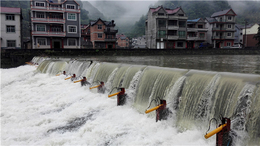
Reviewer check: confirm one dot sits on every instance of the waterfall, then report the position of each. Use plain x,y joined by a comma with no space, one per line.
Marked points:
194,96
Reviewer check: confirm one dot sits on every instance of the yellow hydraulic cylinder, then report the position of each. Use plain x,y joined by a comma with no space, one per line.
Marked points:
217,130
29,63
57,74
68,78
152,109
77,81
94,87
113,94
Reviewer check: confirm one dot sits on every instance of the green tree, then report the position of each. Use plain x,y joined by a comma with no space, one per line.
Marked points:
257,37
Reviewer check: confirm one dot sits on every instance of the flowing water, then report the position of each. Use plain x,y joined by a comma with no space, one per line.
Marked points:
41,108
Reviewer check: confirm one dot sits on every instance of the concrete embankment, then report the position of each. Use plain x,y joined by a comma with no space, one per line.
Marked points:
17,57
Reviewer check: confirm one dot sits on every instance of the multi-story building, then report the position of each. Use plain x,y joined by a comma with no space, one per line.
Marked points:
196,32
166,28
85,37
11,24
238,35
221,28
248,34
139,42
103,34
122,41
55,24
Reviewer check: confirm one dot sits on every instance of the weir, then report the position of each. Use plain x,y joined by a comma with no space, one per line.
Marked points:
193,96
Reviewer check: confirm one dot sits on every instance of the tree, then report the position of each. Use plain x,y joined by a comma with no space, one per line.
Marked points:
257,37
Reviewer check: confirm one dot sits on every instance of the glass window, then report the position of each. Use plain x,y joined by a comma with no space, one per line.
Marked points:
229,25
182,34
229,34
99,26
172,22
229,18
182,24
41,41
172,32
9,17
161,33
11,43
161,23
202,35
228,44
39,15
70,7
71,16
99,35
181,14
10,28
200,26
40,28
39,4
72,29
160,14
56,29
72,42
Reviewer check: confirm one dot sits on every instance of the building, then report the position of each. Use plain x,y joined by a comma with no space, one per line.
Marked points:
103,34
166,28
122,41
55,24
139,42
248,33
85,37
238,35
196,32
11,24
221,27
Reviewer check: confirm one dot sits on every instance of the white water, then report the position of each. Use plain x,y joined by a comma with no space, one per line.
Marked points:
36,108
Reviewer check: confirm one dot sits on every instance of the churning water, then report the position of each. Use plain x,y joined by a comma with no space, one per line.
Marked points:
39,108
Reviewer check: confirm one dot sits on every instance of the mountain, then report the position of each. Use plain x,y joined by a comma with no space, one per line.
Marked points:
93,12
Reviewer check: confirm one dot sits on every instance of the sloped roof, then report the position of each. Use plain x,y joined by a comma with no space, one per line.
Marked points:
220,13
194,20
169,11
10,10
211,20
107,23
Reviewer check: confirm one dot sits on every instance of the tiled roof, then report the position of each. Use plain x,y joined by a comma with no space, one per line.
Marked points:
10,10
169,11
194,20
223,12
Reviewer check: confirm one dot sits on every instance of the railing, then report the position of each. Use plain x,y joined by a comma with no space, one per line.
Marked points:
191,38
173,37
110,39
175,27
110,30
54,9
192,29
48,20
48,33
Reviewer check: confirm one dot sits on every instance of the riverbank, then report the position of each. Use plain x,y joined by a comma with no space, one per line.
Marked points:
17,57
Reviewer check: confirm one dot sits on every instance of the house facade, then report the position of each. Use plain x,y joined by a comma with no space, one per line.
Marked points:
166,28
11,24
85,37
221,28
139,42
103,34
248,34
55,24
196,32
122,41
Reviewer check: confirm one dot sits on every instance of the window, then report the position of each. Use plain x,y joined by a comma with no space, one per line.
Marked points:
228,44
179,44
182,24
71,16
202,35
72,42
172,32
161,23
9,17
160,14
172,22
100,35
182,34
72,29
200,26
39,15
70,6
11,43
41,41
99,26
229,18
229,34
216,34
217,26
181,14
40,27
161,33
241,33
39,4
10,28
229,26
56,29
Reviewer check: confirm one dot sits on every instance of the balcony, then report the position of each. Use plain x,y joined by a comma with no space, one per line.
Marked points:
48,33
191,38
47,20
53,9
110,30
192,29
201,38
173,27
110,39
173,37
